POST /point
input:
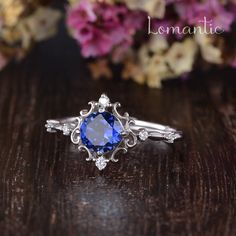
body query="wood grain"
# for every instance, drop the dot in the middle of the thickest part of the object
(47, 188)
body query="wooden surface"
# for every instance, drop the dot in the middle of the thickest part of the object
(46, 188)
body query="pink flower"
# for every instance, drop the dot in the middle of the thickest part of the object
(81, 14)
(99, 45)
(136, 20)
(193, 11)
(103, 27)
(111, 12)
(232, 9)
(84, 33)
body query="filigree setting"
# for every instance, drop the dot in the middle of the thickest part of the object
(103, 132)
(129, 138)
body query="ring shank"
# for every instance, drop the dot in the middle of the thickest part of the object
(151, 126)
(155, 130)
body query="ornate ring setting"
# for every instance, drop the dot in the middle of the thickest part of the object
(102, 131)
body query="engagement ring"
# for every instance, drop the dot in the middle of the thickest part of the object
(102, 131)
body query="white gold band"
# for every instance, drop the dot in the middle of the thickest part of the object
(103, 132)
(154, 130)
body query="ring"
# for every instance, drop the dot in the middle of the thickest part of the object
(102, 131)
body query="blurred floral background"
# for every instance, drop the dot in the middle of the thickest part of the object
(115, 32)
(22, 24)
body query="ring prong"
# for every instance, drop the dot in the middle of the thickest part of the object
(84, 112)
(99, 154)
(124, 133)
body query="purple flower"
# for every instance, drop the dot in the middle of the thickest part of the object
(81, 14)
(100, 28)
(84, 33)
(193, 11)
(99, 45)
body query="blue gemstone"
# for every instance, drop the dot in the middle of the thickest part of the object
(101, 132)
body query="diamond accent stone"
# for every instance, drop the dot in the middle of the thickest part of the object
(143, 134)
(101, 132)
(104, 100)
(101, 163)
(171, 137)
(65, 130)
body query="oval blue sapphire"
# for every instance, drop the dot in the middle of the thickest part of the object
(101, 132)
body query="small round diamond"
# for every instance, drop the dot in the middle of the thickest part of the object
(101, 132)
(104, 100)
(65, 130)
(101, 163)
(143, 134)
